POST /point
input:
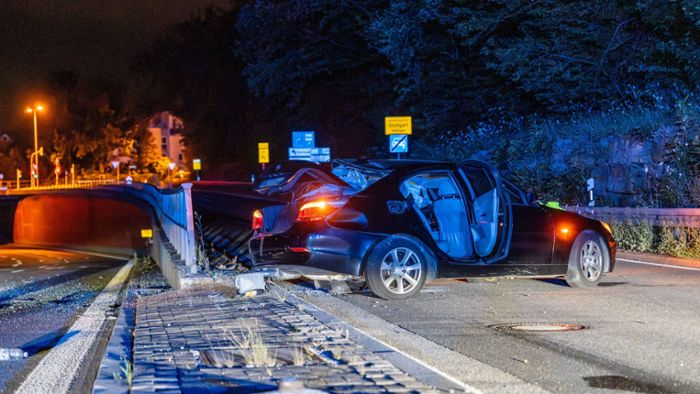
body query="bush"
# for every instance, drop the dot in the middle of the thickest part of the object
(678, 241)
(634, 235)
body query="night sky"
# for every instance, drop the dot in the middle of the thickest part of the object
(90, 37)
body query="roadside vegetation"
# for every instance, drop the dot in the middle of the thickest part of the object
(672, 239)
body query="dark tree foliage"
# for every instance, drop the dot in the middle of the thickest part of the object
(193, 71)
(309, 62)
(268, 67)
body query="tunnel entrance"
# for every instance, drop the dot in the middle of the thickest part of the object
(81, 222)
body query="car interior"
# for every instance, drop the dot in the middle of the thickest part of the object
(440, 205)
(486, 209)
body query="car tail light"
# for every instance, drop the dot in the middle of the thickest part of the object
(318, 210)
(257, 220)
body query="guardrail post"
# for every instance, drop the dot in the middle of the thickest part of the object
(189, 247)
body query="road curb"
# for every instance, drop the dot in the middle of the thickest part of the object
(472, 374)
(60, 367)
(119, 348)
(402, 361)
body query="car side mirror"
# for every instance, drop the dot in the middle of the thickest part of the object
(531, 198)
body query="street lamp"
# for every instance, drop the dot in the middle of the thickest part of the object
(171, 166)
(35, 178)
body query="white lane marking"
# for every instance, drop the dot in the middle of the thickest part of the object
(658, 264)
(17, 271)
(57, 370)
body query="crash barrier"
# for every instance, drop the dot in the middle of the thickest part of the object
(681, 217)
(174, 241)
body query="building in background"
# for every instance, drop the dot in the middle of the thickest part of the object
(167, 130)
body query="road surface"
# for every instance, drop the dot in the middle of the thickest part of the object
(642, 328)
(42, 293)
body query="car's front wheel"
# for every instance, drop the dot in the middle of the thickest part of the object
(587, 260)
(396, 269)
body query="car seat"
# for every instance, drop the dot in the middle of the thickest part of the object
(484, 231)
(451, 217)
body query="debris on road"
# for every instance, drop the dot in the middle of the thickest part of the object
(8, 354)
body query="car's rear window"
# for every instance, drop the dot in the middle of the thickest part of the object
(358, 177)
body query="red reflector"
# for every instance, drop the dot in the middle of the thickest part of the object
(298, 250)
(257, 220)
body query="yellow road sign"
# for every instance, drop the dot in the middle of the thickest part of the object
(263, 152)
(196, 164)
(146, 233)
(398, 125)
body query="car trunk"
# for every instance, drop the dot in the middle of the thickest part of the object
(349, 180)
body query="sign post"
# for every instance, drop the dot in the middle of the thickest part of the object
(196, 166)
(398, 128)
(590, 185)
(263, 153)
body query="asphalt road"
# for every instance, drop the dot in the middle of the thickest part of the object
(42, 293)
(642, 328)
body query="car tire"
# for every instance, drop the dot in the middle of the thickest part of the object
(396, 269)
(587, 261)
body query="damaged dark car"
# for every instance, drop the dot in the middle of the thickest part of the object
(400, 223)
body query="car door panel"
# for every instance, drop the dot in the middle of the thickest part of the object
(533, 236)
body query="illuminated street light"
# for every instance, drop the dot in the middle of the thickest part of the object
(35, 178)
(171, 166)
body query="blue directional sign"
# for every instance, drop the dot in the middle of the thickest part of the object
(303, 139)
(300, 154)
(398, 143)
(321, 155)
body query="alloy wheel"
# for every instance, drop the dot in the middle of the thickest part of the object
(401, 270)
(591, 261)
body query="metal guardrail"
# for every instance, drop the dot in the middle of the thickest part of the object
(175, 213)
(682, 217)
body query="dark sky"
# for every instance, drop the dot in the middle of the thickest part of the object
(90, 37)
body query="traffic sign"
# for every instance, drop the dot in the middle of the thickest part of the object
(398, 143)
(303, 139)
(197, 164)
(263, 152)
(398, 125)
(146, 233)
(321, 155)
(300, 154)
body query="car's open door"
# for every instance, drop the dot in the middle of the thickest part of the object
(491, 224)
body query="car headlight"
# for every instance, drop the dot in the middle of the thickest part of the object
(606, 226)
